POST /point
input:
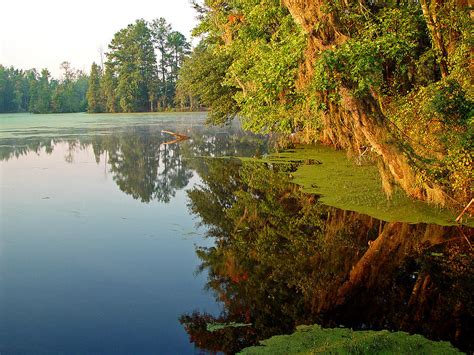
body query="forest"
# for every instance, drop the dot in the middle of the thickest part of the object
(388, 79)
(139, 75)
(391, 80)
(135, 79)
(37, 92)
(294, 178)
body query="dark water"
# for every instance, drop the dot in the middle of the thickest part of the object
(113, 241)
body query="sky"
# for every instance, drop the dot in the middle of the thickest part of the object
(44, 33)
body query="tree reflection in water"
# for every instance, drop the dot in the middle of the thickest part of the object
(142, 165)
(281, 259)
(145, 168)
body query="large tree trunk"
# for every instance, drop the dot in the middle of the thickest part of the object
(430, 9)
(354, 122)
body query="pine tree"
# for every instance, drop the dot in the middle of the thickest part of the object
(108, 85)
(131, 59)
(161, 31)
(94, 92)
(42, 98)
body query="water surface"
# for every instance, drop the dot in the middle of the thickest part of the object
(97, 244)
(115, 240)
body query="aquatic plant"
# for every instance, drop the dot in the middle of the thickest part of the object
(316, 340)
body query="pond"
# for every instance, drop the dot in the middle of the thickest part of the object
(116, 240)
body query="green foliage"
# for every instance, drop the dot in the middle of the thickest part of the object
(41, 100)
(131, 59)
(259, 47)
(377, 58)
(108, 87)
(135, 79)
(450, 101)
(201, 80)
(160, 32)
(69, 95)
(405, 63)
(173, 48)
(95, 98)
(437, 119)
(315, 340)
(178, 49)
(129, 82)
(266, 75)
(455, 169)
(22, 91)
(14, 90)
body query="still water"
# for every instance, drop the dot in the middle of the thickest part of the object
(113, 241)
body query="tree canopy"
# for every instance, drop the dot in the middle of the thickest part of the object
(391, 76)
(140, 74)
(142, 67)
(30, 91)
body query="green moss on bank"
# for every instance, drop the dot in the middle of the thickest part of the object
(315, 340)
(348, 186)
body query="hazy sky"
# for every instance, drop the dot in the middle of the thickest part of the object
(44, 33)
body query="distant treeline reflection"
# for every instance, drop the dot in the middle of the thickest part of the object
(140, 161)
(281, 259)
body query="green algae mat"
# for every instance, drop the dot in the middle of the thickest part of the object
(343, 184)
(315, 340)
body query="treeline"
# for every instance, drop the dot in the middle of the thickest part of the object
(139, 75)
(393, 78)
(37, 92)
(141, 69)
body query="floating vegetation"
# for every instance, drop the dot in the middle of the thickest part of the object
(214, 327)
(345, 185)
(315, 340)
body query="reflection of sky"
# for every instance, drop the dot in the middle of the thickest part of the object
(85, 267)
